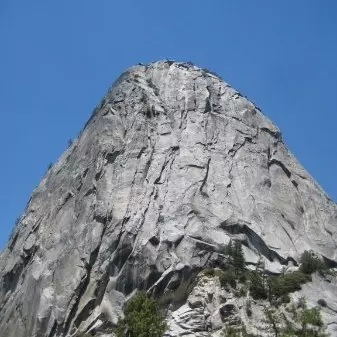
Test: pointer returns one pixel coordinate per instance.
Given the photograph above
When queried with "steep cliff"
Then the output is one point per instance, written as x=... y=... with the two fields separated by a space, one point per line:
x=172 y=165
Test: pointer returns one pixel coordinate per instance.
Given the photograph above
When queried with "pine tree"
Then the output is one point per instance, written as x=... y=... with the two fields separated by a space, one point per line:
x=310 y=263
x=260 y=265
x=257 y=287
x=229 y=252
x=142 y=318
x=273 y=321
x=239 y=262
x=309 y=322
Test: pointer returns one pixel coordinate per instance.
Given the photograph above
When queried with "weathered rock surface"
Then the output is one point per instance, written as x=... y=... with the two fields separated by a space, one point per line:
x=209 y=308
x=171 y=165
x=322 y=289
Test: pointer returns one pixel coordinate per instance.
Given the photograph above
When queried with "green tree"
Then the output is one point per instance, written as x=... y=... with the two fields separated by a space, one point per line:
x=229 y=252
x=308 y=323
x=227 y=277
x=273 y=321
x=310 y=263
x=257 y=281
x=235 y=265
x=256 y=285
x=238 y=259
x=142 y=318
x=260 y=265
x=232 y=332
x=282 y=285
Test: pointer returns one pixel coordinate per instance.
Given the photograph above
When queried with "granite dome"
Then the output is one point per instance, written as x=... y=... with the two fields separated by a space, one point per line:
x=172 y=164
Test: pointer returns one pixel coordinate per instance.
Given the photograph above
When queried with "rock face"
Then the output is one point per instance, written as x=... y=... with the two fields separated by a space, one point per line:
x=172 y=164
x=209 y=308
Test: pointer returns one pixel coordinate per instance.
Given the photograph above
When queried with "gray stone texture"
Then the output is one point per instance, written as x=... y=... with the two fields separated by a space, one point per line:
x=210 y=308
x=172 y=164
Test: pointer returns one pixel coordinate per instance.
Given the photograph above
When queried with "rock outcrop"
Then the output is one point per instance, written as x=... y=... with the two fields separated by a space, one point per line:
x=209 y=308
x=172 y=164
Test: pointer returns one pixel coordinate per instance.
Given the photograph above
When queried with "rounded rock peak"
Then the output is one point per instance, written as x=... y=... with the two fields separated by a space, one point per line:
x=168 y=80
x=159 y=65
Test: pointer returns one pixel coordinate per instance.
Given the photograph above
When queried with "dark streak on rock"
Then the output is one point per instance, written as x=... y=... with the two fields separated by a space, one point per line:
x=274 y=161
x=203 y=193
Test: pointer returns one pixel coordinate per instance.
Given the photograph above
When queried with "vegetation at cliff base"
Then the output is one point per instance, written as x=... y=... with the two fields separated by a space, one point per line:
x=232 y=331
x=260 y=284
x=300 y=320
x=310 y=263
x=142 y=318
x=284 y=284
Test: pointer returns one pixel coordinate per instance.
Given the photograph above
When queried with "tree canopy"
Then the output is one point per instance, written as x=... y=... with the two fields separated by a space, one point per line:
x=142 y=318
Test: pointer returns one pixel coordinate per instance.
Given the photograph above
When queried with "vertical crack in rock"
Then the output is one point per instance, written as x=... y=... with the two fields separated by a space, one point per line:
x=82 y=287
x=205 y=179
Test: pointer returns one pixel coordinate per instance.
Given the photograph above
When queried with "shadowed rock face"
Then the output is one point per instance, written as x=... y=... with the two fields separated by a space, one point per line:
x=171 y=165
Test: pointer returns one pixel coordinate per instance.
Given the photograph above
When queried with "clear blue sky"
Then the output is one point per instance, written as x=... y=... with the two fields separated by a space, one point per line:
x=57 y=59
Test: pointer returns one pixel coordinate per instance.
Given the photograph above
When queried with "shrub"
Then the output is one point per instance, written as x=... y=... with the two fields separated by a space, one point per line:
x=210 y=272
x=284 y=284
x=310 y=321
x=285 y=298
x=142 y=318
x=232 y=332
x=311 y=263
x=310 y=316
x=273 y=318
x=303 y=322
x=227 y=277
x=242 y=291
x=242 y=278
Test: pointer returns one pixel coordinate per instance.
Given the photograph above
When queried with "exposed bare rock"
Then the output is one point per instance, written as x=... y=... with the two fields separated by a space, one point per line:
x=172 y=164
x=210 y=308
x=323 y=289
